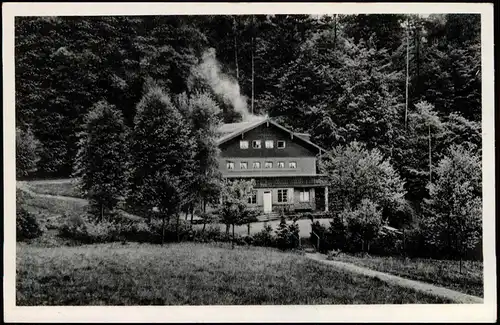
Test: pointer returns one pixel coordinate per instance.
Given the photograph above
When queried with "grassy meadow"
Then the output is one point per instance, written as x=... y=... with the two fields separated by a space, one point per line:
x=190 y=274
x=56 y=271
x=64 y=187
x=444 y=273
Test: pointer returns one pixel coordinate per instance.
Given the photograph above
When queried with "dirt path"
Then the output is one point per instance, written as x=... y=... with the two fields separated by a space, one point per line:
x=453 y=295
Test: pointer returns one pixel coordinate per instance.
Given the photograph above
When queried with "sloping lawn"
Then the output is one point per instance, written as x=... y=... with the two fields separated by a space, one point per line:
x=444 y=273
x=64 y=187
x=190 y=274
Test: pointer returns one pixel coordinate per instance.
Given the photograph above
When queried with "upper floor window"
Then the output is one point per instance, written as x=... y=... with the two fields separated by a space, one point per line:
x=230 y=165
x=252 y=199
x=256 y=165
x=304 y=196
x=269 y=144
x=283 y=196
x=243 y=144
x=243 y=165
x=256 y=144
x=281 y=164
x=281 y=144
x=292 y=164
x=268 y=164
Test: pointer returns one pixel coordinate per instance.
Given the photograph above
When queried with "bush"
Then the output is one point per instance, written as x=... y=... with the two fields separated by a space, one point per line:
x=387 y=243
x=82 y=229
x=324 y=237
x=287 y=236
x=264 y=237
x=363 y=223
x=27 y=225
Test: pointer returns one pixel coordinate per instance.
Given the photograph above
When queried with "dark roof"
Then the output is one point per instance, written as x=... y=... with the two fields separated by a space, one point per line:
x=231 y=130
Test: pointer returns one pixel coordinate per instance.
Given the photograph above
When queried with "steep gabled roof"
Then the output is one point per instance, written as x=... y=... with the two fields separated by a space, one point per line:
x=231 y=130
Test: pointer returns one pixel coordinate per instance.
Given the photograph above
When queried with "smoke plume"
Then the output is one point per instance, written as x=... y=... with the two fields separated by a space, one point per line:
x=210 y=71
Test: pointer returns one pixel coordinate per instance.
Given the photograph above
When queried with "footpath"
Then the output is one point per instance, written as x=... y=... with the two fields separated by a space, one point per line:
x=431 y=289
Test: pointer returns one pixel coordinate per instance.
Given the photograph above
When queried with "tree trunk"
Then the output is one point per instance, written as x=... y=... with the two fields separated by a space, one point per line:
x=178 y=218
x=227 y=229
x=430 y=156
x=253 y=74
x=334 y=32
x=232 y=243
x=236 y=52
x=407 y=69
x=248 y=229
x=163 y=229
x=204 y=225
x=102 y=212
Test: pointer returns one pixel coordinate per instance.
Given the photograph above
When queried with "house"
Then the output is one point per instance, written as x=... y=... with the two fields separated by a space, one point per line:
x=282 y=163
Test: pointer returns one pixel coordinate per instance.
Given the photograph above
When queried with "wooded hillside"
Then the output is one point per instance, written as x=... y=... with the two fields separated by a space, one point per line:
x=407 y=85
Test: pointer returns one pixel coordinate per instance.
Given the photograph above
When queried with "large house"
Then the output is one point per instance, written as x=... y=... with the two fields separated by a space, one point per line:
x=282 y=163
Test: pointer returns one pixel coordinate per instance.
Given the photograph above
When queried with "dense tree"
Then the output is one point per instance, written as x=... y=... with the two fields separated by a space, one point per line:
x=101 y=165
x=233 y=209
x=162 y=153
x=27 y=153
x=341 y=78
x=201 y=112
x=453 y=213
x=356 y=173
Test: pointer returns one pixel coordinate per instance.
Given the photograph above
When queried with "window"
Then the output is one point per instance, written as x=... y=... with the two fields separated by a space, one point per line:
x=282 y=196
x=252 y=199
x=243 y=165
x=269 y=144
x=281 y=164
x=304 y=196
x=256 y=144
x=230 y=165
x=243 y=144
x=292 y=164
x=268 y=164
x=256 y=165
x=281 y=144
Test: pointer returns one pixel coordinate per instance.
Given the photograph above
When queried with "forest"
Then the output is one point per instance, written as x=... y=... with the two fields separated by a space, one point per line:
x=404 y=88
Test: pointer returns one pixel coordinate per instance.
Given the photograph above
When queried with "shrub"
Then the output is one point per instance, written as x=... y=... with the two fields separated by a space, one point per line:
x=27 y=225
x=363 y=223
x=82 y=229
x=387 y=243
x=324 y=237
x=287 y=236
x=264 y=237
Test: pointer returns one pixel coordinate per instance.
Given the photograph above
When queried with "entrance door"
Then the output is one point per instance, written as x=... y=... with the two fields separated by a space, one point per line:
x=268 y=206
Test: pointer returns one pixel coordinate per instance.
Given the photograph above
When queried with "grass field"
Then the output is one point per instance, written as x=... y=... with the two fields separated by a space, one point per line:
x=445 y=273
x=62 y=188
x=190 y=274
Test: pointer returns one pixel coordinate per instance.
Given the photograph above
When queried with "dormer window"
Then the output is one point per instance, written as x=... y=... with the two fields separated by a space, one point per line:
x=281 y=144
x=269 y=144
x=281 y=164
x=256 y=144
x=268 y=164
x=243 y=144
x=256 y=165
x=243 y=165
x=292 y=164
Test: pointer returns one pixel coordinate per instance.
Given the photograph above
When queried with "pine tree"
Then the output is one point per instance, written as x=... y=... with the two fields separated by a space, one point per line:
x=163 y=149
x=102 y=160
x=27 y=152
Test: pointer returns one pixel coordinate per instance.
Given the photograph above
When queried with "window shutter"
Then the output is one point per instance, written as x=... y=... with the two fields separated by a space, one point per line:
x=290 y=195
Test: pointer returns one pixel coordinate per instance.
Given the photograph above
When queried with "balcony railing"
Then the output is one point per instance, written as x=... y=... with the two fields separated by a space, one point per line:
x=288 y=181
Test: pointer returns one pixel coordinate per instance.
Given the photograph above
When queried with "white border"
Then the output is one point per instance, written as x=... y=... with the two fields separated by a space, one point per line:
x=348 y=313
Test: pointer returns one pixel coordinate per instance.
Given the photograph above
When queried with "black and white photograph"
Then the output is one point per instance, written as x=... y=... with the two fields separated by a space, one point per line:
x=308 y=158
